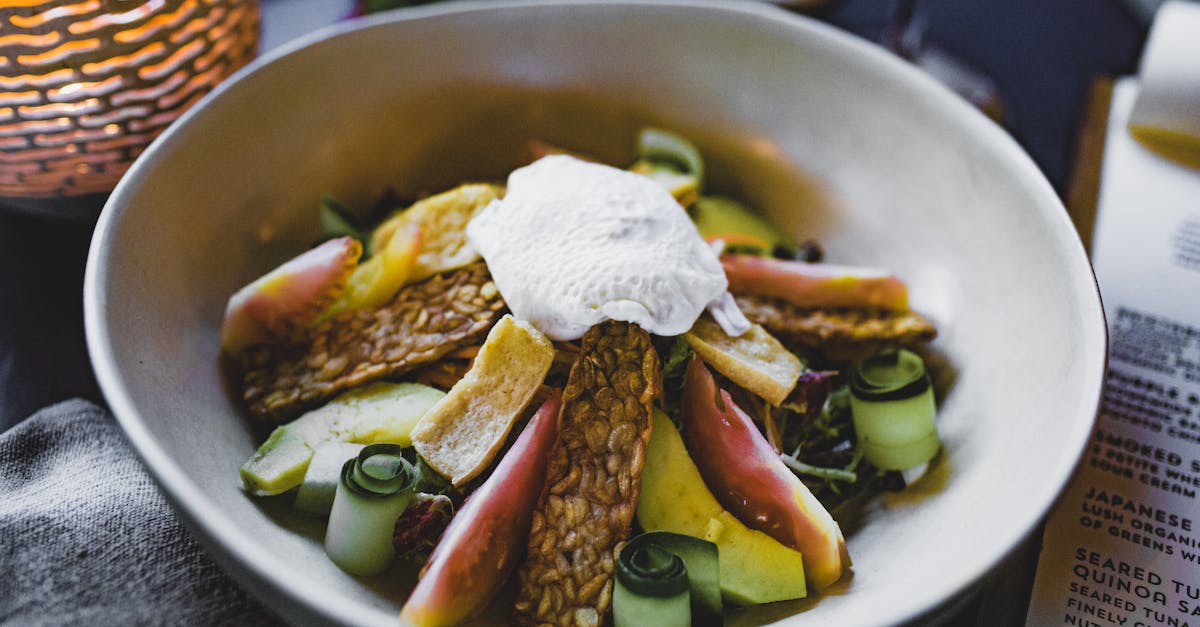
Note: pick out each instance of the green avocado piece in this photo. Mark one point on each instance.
(378, 412)
(279, 463)
(718, 216)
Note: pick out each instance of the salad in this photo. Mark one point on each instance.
(603, 389)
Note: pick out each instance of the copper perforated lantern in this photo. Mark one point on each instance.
(85, 85)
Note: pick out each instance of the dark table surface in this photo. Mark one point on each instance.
(1042, 55)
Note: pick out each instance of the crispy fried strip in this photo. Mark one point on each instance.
(841, 329)
(424, 322)
(460, 435)
(584, 515)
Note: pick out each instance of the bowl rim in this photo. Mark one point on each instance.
(269, 578)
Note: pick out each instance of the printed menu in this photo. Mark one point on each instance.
(1122, 545)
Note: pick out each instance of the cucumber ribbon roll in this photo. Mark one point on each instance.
(891, 402)
(667, 579)
(373, 491)
(659, 146)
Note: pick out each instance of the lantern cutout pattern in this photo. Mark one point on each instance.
(86, 85)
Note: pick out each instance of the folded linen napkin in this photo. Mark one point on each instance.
(87, 538)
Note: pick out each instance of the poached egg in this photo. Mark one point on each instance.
(574, 243)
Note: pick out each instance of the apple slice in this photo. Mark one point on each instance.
(751, 481)
(486, 540)
(815, 284)
(290, 296)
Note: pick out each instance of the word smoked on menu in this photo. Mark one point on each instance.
(1122, 546)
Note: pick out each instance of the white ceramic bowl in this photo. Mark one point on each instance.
(831, 137)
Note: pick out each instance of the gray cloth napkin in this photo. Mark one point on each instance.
(87, 538)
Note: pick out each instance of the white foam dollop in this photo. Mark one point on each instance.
(573, 244)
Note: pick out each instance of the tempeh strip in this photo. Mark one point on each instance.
(422, 323)
(584, 515)
(841, 328)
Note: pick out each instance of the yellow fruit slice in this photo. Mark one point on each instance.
(376, 280)
(443, 222)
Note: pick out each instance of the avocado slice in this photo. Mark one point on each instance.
(379, 412)
(727, 219)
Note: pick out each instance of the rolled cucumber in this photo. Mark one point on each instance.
(646, 582)
(651, 588)
(892, 405)
(373, 491)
